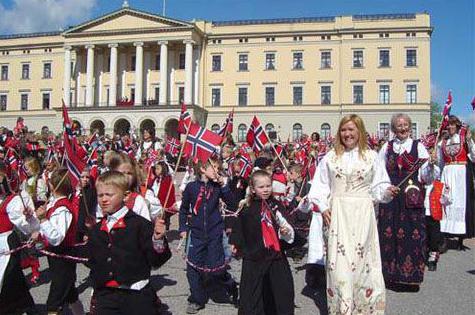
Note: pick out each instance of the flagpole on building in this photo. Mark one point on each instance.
(164, 6)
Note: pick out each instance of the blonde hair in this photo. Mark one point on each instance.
(33, 165)
(362, 141)
(114, 178)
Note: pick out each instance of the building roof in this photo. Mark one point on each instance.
(29, 35)
(394, 16)
(275, 21)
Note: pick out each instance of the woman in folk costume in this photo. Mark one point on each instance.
(349, 180)
(401, 223)
(15, 297)
(456, 155)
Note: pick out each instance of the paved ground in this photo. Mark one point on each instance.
(450, 290)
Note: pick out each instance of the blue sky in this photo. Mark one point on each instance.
(453, 40)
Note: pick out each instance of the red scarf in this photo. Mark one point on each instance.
(199, 200)
(269, 236)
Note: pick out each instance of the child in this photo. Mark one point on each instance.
(125, 165)
(58, 228)
(162, 190)
(267, 285)
(15, 297)
(205, 229)
(123, 248)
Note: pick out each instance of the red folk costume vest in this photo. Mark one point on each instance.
(165, 183)
(70, 238)
(455, 153)
(5, 224)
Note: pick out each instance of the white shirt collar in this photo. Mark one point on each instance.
(116, 216)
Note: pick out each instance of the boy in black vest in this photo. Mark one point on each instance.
(123, 249)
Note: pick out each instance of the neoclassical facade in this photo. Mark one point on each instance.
(133, 69)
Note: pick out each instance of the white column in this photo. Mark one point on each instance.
(196, 79)
(78, 77)
(89, 75)
(99, 74)
(188, 71)
(67, 76)
(113, 76)
(123, 67)
(163, 72)
(147, 67)
(138, 73)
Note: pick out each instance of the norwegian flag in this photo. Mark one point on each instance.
(227, 128)
(429, 140)
(74, 163)
(256, 136)
(279, 149)
(67, 120)
(185, 119)
(372, 141)
(92, 140)
(152, 157)
(245, 165)
(473, 103)
(12, 160)
(201, 143)
(448, 105)
(172, 146)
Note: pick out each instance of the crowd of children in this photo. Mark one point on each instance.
(239, 204)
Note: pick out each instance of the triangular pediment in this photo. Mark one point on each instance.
(126, 19)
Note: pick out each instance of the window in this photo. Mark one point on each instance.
(4, 73)
(411, 93)
(326, 94)
(243, 62)
(298, 61)
(326, 57)
(132, 95)
(298, 95)
(216, 63)
(270, 95)
(47, 70)
(269, 128)
(3, 102)
(157, 62)
(181, 94)
(181, 61)
(24, 101)
(215, 128)
(108, 96)
(357, 58)
(357, 94)
(384, 94)
(25, 71)
(297, 132)
(270, 61)
(242, 99)
(411, 58)
(132, 63)
(414, 134)
(215, 97)
(384, 58)
(242, 132)
(384, 130)
(157, 93)
(325, 131)
(46, 100)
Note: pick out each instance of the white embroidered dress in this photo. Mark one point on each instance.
(350, 186)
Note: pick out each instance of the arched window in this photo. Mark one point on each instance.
(215, 128)
(325, 131)
(269, 127)
(297, 132)
(242, 132)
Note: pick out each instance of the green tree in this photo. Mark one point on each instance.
(435, 115)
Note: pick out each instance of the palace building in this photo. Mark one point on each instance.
(298, 75)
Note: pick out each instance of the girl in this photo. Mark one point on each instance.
(267, 285)
(15, 297)
(125, 165)
(161, 190)
(58, 227)
(33, 187)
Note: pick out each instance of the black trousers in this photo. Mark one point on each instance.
(63, 284)
(15, 294)
(111, 301)
(266, 287)
(434, 236)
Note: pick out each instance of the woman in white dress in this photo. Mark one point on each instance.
(348, 182)
(455, 155)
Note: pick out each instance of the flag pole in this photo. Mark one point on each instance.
(176, 169)
(275, 151)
